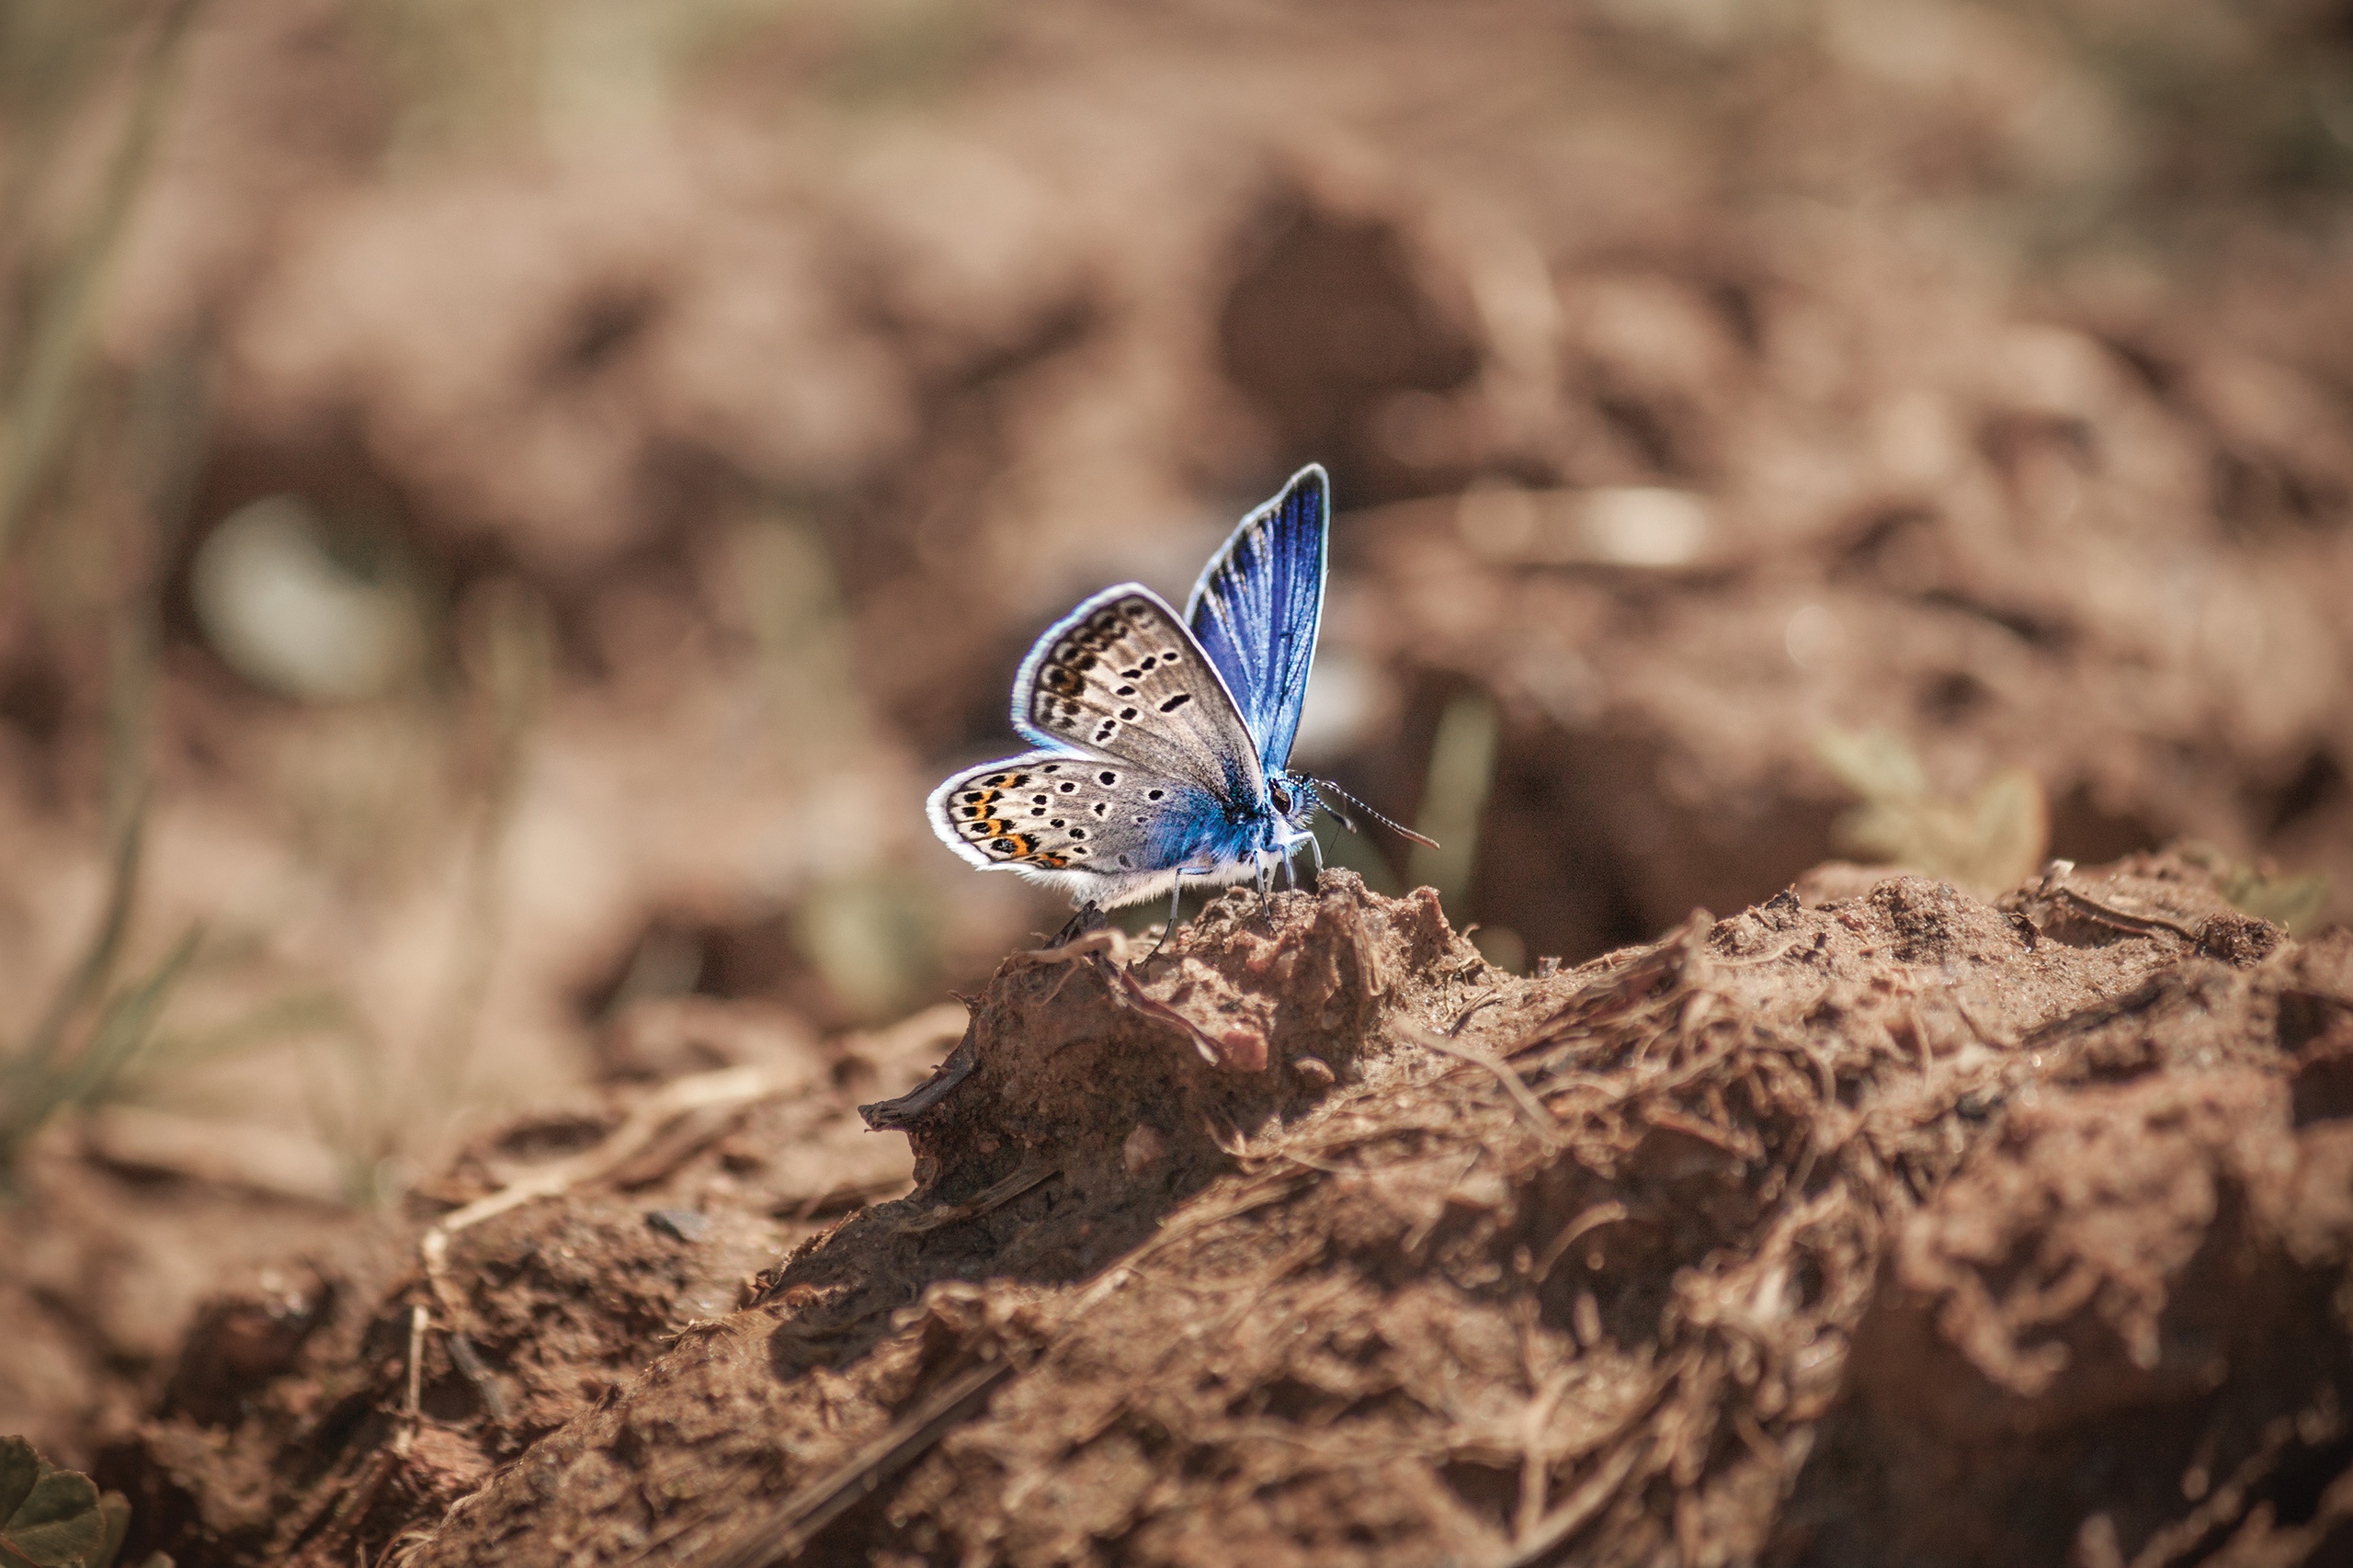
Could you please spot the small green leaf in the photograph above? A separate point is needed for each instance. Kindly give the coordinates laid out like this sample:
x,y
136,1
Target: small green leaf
x,y
1992,841
1878,766
114,1518
55,1518
2010,830
2294,903
57,1525
19,1468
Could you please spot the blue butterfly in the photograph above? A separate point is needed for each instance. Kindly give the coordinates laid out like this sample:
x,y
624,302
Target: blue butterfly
x,y
1165,743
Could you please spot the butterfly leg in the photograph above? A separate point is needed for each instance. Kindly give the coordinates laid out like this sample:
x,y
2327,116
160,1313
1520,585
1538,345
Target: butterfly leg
x,y
1089,917
1176,897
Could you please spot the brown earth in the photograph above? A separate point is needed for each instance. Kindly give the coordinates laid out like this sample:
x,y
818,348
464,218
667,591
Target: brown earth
x,y
1900,1228
1697,382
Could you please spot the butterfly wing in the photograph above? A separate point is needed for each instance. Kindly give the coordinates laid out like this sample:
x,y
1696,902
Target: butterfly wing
x,y
1120,677
1258,605
1102,829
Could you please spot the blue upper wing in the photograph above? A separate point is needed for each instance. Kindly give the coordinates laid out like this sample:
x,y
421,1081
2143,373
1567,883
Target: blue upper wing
x,y
1256,609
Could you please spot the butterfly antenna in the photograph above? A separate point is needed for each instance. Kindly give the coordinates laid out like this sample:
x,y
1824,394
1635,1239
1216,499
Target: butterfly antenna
x,y
1396,828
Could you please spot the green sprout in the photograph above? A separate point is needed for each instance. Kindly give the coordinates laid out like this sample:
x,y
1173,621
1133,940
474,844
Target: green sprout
x,y
2294,901
1992,841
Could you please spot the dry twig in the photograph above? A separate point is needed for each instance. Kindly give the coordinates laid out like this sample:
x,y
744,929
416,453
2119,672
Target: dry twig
x,y
1530,1107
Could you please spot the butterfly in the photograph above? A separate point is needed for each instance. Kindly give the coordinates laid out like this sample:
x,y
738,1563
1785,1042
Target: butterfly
x,y
1164,741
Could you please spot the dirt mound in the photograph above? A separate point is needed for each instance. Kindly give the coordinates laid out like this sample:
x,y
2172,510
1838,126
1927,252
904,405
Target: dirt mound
x,y
1695,380
1871,496
1903,1228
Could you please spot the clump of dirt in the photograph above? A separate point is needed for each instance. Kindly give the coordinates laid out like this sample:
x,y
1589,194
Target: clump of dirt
x,y
1796,485
105,1258
297,1418
1901,1227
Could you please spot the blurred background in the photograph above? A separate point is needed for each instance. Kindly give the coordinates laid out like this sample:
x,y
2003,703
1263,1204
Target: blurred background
x,y
506,506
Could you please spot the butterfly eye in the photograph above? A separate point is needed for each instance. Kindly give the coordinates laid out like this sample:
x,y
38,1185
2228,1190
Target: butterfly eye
x,y
1281,797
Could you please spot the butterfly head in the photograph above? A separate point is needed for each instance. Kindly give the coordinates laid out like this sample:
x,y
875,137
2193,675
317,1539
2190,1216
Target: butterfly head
x,y
1294,799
